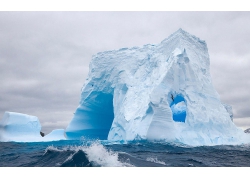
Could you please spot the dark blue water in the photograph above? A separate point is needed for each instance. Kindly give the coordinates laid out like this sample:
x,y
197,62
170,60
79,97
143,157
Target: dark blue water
x,y
139,154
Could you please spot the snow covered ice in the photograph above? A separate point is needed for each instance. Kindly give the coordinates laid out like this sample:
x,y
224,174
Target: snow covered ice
x,y
155,92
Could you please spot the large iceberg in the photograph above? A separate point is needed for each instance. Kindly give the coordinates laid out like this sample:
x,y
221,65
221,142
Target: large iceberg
x,y
155,92
20,127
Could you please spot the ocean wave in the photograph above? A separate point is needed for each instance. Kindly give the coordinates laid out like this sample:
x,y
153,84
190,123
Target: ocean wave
x,y
94,155
138,154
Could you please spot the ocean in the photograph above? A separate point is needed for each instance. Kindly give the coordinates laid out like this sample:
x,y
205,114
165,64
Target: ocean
x,y
87,153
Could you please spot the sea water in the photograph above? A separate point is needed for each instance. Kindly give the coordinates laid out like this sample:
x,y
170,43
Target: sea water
x,y
87,153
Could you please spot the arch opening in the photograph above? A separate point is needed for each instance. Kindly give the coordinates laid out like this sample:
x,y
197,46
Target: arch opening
x,y
179,108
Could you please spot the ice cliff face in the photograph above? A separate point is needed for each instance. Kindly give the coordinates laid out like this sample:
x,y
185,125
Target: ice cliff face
x,y
155,92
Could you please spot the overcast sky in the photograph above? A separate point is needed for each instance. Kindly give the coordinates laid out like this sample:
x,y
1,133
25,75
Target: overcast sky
x,y
44,56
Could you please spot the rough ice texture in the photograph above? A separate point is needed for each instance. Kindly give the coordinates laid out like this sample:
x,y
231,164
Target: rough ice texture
x,y
19,127
129,95
229,110
55,135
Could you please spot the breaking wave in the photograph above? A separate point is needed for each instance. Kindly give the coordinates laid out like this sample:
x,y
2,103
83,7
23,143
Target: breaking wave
x,y
94,155
89,153
155,160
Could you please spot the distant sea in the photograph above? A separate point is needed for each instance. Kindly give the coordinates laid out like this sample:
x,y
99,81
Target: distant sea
x,y
134,154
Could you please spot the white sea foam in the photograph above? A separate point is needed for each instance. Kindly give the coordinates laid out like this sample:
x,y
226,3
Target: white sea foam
x,y
99,155
52,148
155,160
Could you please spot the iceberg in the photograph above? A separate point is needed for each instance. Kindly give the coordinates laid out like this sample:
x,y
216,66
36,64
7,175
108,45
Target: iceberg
x,y
20,128
55,135
160,92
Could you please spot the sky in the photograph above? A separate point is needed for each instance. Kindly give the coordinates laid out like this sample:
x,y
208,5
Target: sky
x,y
45,56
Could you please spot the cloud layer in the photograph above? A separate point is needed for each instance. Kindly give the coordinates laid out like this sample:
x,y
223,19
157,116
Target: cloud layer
x,y
44,56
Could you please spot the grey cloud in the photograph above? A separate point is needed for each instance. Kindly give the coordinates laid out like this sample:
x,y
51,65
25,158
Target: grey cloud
x,y
244,123
231,78
44,56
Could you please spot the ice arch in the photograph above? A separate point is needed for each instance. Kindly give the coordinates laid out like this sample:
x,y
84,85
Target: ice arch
x,y
179,108
139,80
93,118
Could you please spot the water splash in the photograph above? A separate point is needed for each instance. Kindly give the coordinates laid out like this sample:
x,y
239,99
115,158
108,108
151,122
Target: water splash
x,y
95,153
155,160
